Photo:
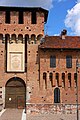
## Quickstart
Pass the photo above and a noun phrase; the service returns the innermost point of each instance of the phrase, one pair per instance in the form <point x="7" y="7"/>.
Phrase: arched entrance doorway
<point x="56" y="95"/>
<point x="15" y="93"/>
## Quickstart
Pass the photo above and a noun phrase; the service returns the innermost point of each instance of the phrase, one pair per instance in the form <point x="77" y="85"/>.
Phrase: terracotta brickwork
<point x="28" y="34"/>
<point x="43" y="83"/>
<point x="67" y="88"/>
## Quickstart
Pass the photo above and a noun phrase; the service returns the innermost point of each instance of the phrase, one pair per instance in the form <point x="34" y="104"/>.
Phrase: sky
<point x="63" y="14"/>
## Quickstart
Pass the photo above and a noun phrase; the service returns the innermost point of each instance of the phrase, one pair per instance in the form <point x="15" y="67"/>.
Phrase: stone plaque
<point x="16" y="61"/>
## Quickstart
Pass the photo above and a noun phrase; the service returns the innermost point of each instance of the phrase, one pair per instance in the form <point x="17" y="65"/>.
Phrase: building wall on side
<point x="67" y="93"/>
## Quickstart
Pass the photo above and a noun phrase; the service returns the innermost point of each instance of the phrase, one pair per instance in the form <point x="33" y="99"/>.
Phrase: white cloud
<point x="47" y="4"/>
<point x="78" y="0"/>
<point x="73" y="18"/>
<point x="61" y="0"/>
<point x="56" y="34"/>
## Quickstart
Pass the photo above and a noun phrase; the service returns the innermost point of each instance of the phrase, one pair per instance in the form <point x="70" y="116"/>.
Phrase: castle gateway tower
<point x="21" y="30"/>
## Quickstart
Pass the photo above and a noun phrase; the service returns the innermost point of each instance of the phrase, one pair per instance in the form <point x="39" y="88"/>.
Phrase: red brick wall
<point x="15" y="28"/>
<point x="67" y="95"/>
<point x="2" y="17"/>
<point x="32" y="75"/>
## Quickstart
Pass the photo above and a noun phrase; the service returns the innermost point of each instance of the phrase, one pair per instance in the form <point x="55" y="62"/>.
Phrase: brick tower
<point x="20" y="32"/>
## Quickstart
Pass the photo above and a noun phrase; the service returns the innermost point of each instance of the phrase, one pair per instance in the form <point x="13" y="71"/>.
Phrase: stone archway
<point x="15" y="93"/>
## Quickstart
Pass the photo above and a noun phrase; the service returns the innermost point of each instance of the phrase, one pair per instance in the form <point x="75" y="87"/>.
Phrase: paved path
<point x="12" y="114"/>
<point x="52" y="117"/>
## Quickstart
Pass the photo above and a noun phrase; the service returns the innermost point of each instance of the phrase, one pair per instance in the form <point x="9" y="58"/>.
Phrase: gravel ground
<point x="53" y="117"/>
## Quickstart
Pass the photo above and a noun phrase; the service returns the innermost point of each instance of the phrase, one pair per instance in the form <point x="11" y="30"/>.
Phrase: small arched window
<point x="56" y="95"/>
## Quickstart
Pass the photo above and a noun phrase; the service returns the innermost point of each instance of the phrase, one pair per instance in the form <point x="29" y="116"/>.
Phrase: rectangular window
<point x="7" y="17"/>
<point x="52" y="61"/>
<point x="33" y="17"/>
<point x="69" y="61"/>
<point x="20" y="17"/>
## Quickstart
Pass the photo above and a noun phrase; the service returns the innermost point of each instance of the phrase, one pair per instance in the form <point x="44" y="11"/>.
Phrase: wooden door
<point x="20" y="102"/>
<point x="15" y="95"/>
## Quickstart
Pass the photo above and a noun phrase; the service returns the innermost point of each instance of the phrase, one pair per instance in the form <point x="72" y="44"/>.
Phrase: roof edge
<point x="17" y="8"/>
